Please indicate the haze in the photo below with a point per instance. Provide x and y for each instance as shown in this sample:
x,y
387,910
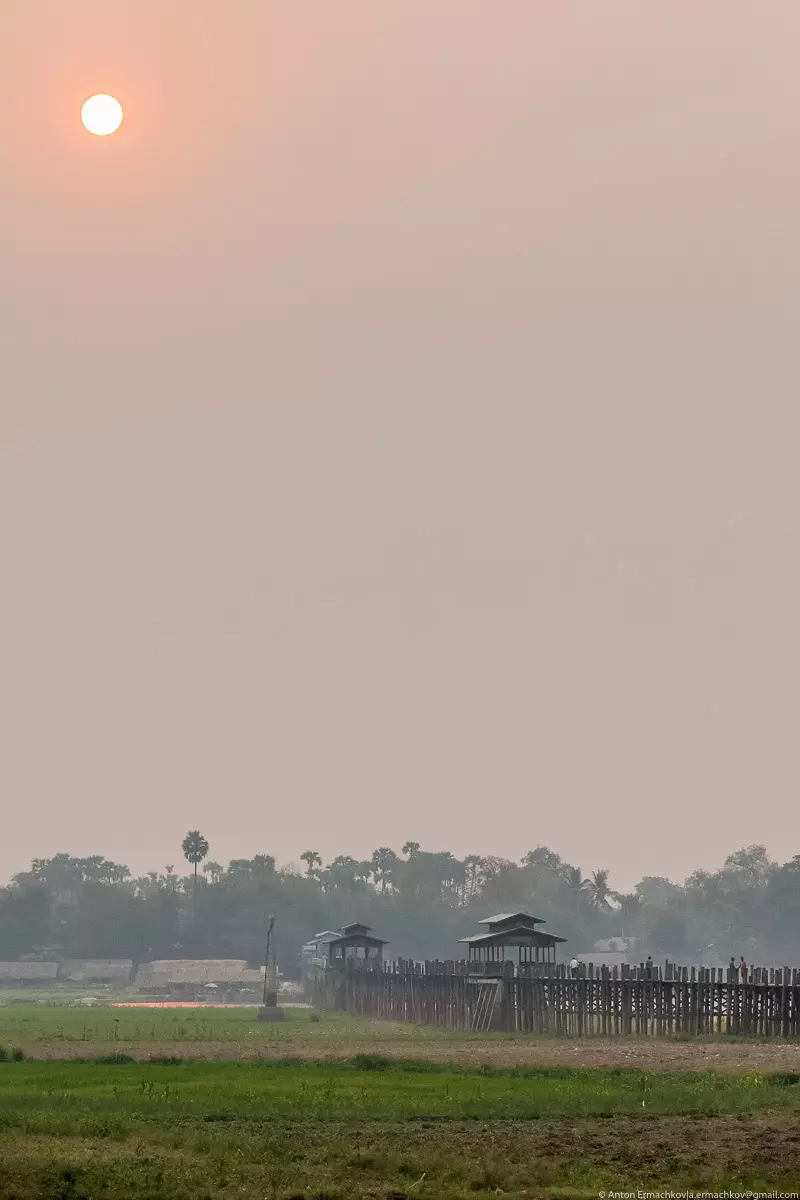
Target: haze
x,y
399,429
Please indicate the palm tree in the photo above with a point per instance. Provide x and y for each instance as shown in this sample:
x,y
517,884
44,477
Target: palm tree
x,y
411,849
195,849
598,889
313,862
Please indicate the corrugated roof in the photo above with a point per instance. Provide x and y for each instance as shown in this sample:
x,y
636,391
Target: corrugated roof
x,y
509,916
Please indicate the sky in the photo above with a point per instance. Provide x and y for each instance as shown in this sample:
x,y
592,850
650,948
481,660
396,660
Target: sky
x,y
398,429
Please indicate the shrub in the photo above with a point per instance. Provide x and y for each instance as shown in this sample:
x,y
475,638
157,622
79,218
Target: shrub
x,y
371,1062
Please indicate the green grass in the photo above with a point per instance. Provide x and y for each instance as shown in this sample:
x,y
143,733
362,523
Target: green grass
x,y
341,1108
73,1097
103,1023
369,1126
59,1030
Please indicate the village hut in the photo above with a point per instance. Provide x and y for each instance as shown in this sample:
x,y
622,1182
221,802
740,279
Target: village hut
x,y
108,971
185,976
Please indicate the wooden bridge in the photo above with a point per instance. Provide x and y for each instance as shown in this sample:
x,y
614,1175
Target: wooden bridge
x,y
597,1002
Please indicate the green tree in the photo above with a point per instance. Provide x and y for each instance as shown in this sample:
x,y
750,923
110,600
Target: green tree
x,y
195,849
343,874
473,865
630,913
543,856
313,863
383,860
573,877
599,890
263,864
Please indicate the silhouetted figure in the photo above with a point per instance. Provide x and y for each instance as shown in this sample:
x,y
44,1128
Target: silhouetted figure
x,y
743,969
648,966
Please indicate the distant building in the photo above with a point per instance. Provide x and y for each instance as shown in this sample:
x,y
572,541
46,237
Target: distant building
x,y
186,976
28,974
315,952
335,947
107,971
511,937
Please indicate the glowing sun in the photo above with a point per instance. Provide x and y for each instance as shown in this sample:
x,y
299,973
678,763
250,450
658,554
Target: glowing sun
x,y
102,115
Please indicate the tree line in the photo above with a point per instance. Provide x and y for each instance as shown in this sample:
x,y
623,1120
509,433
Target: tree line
x,y
421,901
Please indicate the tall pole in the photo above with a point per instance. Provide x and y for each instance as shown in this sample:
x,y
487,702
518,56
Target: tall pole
x,y
270,928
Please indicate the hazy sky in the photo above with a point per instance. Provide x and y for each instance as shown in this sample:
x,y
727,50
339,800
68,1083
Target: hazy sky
x,y
400,429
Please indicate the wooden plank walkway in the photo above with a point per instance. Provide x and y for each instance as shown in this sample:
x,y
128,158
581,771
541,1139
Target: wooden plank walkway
x,y
599,1002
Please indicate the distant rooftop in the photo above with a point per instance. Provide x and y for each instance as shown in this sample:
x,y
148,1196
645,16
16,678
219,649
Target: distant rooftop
x,y
499,935
28,971
501,917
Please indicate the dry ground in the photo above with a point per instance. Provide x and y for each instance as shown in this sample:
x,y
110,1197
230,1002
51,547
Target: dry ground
x,y
403,1041
63,1032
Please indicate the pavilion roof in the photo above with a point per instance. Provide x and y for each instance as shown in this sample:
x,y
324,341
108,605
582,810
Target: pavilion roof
x,y
360,938
503,935
521,916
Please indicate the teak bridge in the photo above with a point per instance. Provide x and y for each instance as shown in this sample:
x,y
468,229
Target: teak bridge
x,y
601,1002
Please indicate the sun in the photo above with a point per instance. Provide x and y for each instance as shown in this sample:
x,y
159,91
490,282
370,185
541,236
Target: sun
x,y
102,115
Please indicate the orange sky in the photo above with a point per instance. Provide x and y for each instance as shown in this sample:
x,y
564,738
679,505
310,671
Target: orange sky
x,y
397,429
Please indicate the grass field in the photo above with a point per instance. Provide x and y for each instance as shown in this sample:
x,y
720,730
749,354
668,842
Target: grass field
x,y
59,1031
337,1108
